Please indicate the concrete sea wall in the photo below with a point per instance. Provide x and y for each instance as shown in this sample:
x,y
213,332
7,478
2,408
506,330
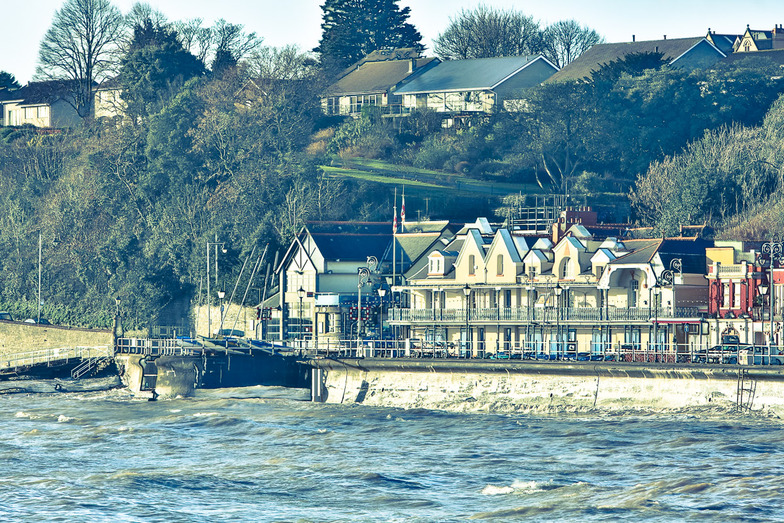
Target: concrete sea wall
x,y
16,337
466,386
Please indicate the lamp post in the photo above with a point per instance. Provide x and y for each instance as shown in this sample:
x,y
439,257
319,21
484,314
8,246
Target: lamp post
x,y
467,293
223,250
656,293
300,295
363,276
117,326
221,295
763,289
774,252
381,293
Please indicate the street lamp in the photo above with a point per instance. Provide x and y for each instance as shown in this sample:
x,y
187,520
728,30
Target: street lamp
x,y
656,294
223,250
467,293
301,295
381,293
117,327
221,295
363,276
775,252
558,291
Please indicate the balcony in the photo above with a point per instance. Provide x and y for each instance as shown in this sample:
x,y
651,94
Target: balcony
x,y
537,314
736,270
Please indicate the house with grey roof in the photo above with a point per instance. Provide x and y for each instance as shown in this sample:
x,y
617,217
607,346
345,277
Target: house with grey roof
x,y
476,86
41,104
760,40
682,53
372,81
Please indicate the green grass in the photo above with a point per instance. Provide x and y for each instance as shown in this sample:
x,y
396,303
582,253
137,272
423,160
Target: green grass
x,y
377,178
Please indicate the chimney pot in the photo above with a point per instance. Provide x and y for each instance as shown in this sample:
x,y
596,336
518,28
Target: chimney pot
x,y
665,37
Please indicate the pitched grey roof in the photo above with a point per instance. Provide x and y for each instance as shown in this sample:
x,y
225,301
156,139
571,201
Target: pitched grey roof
x,y
601,54
466,75
377,77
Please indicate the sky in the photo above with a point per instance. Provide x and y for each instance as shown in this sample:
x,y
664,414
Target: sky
x,y
299,21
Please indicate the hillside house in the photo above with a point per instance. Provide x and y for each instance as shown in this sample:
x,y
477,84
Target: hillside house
x,y
474,87
682,53
41,104
372,81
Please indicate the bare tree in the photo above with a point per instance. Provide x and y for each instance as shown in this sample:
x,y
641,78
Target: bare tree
x,y
566,40
282,63
487,32
78,47
195,38
232,38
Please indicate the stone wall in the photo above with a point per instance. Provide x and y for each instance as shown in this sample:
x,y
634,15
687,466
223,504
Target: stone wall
x,y
545,387
18,337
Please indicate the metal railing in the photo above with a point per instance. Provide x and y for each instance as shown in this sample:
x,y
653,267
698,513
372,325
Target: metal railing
x,y
154,347
546,350
50,356
538,314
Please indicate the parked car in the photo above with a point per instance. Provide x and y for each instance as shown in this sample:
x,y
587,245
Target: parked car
x,y
42,321
762,355
6,316
724,354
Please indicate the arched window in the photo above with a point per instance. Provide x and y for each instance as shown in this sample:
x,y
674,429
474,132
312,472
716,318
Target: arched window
x,y
564,273
471,265
500,264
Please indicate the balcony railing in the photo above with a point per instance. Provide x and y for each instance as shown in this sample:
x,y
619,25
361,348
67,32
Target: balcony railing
x,y
537,314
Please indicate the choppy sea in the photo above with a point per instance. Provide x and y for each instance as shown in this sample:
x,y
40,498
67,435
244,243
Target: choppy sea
x,y
268,454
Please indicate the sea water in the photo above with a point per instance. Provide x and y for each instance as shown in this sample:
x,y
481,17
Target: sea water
x,y
268,454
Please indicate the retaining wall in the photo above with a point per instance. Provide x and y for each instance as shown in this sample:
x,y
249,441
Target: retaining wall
x,y
18,337
542,386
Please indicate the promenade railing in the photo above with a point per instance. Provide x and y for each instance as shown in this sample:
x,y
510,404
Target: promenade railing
x,y
538,314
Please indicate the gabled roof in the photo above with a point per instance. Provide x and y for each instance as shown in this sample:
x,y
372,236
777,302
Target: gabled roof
x,y
724,42
643,253
378,77
39,93
351,241
601,54
467,75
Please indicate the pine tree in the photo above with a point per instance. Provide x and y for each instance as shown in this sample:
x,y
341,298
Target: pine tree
x,y
352,29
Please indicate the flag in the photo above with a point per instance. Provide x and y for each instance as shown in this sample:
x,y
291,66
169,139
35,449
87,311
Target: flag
x,y
394,221
403,208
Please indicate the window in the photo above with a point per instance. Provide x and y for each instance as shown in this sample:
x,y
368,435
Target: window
x,y
508,298
737,290
500,264
471,265
633,286
43,111
726,296
30,113
565,268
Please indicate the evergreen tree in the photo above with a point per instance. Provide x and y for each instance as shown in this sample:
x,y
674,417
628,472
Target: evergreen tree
x,y
8,81
154,68
352,29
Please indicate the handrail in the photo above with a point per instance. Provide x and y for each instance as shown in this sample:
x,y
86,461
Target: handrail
x,y
40,356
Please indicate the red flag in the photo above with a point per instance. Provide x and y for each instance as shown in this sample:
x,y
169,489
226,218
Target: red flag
x,y
394,223
403,209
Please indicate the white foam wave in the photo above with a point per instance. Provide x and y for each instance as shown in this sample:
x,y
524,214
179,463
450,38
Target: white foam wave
x,y
63,419
21,414
494,490
203,414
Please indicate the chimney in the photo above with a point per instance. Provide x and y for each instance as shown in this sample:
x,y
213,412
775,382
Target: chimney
x,y
634,38
411,65
665,37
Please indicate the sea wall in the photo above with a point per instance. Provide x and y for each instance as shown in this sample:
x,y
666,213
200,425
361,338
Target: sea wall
x,y
18,337
459,385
